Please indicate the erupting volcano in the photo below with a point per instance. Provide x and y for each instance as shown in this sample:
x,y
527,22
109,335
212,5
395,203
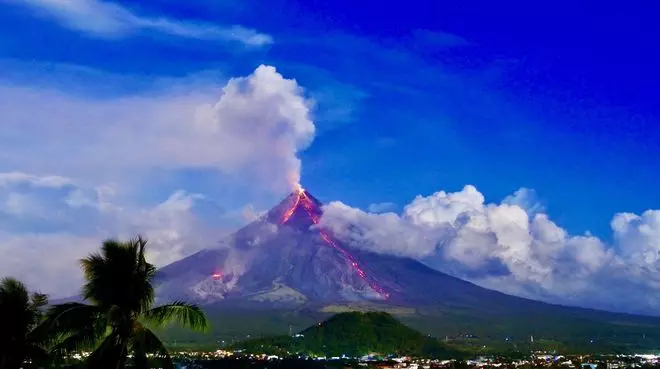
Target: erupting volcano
x,y
285,258
285,265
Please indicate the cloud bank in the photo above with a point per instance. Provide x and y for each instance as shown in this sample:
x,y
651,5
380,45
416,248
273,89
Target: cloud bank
x,y
109,20
514,247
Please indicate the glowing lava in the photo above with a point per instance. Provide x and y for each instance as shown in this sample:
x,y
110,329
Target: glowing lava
x,y
300,194
302,199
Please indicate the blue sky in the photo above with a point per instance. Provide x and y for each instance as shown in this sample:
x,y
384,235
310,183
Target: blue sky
x,y
408,99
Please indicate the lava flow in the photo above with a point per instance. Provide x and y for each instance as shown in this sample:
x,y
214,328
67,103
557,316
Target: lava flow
x,y
301,198
289,213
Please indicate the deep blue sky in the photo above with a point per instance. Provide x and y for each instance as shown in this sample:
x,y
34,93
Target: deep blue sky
x,y
559,97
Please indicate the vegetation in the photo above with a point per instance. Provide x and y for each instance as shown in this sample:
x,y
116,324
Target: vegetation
x,y
479,332
20,314
355,334
119,286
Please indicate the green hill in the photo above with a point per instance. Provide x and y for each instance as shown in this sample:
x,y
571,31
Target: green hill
x,y
480,331
354,334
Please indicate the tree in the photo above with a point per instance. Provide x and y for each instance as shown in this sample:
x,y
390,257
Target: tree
x,y
119,287
20,314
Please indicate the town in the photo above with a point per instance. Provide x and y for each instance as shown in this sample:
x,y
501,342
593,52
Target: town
x,y
230,359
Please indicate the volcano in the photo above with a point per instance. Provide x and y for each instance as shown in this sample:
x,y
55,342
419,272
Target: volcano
x,y
285,259
283,270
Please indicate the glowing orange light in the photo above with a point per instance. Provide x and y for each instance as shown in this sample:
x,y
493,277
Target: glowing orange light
x,y
301,198
216,276
289,213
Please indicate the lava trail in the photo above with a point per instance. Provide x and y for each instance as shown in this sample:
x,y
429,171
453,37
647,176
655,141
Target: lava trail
x,y
302,198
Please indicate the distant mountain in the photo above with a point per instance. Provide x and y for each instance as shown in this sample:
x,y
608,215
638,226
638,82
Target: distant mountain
x,y
355,334
283,270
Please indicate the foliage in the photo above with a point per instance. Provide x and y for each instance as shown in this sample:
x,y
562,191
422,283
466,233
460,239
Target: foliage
x,y
356,334
20,313
483,331
119,286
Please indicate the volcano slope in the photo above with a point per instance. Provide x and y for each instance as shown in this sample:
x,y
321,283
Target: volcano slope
x,y
282,272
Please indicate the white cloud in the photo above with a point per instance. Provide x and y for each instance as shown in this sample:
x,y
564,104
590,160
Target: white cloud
x,y
265,139
527,199
12,178
515,248
252,131
110,20
638,236
48,260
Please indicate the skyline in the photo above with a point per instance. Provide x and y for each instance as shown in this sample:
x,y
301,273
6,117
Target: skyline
x,y
122,117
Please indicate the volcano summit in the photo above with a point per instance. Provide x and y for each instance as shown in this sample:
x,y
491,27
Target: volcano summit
x,y
281,258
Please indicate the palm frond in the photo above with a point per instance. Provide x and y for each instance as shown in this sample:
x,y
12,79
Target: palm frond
x,y
119,276
11,289
72,315
38,301
12,285
71,326
16,316
83,339
146,342
107,354
180,312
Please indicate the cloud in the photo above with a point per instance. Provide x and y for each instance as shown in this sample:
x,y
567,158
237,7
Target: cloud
x,y
47,259
12,178
46,262
515,248
251,129
266,139
109,20
527,199
381,207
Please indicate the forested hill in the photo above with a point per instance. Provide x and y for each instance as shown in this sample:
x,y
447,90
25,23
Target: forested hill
x,y
355,334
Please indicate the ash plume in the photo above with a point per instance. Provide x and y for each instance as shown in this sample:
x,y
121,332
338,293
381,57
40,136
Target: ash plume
x,y
262,121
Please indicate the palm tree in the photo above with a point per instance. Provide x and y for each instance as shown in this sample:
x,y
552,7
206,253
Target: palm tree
x,y
119,286
20,313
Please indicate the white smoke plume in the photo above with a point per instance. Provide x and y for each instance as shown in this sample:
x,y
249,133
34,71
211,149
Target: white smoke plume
x,y
251,131
515,247
260,123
